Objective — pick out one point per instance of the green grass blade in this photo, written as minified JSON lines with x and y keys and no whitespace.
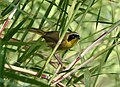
{"x":18,"y":13}
{"x":28,"y":53}
{"x":98,"y":18}
{"x":109,"y":52}
{"x":13,"y":31}
{"x":2,"y":62}
{"x":9,"y":8}
{"x":46,"y":14}
{"x":25,"y":79}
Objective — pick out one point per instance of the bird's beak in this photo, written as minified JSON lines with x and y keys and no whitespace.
{"x":78,"y":37}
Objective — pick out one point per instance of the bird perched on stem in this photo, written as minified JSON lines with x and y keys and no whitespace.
{"x":52,"y":37}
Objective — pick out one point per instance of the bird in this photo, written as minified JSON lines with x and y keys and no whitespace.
{"x":52,"y":37}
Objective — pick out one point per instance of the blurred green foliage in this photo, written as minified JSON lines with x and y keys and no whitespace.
{"x":30,"y":51}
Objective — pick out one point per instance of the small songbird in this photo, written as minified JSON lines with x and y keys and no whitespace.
{"x":52,"y":37}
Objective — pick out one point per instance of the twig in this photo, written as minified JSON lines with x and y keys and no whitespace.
{"x":18,"y":69}
{"x":83,"y":64}
{"x":24,"y":71}
{"x":62,"y":76}
{"x":58,"y":69}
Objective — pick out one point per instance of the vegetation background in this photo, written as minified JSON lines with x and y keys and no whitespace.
{"x":90,"y":18}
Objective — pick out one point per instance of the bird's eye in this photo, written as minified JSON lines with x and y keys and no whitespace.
{"x":73,"y":36}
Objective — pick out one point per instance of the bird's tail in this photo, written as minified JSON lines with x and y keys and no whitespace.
{"x":38,"y":31}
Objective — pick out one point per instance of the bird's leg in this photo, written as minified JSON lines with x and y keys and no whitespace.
{"x":57,"y":56}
